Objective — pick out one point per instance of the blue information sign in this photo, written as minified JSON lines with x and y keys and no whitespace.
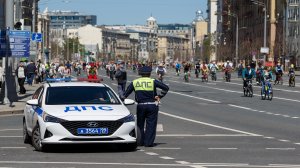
{"x":19,"y":43}
{"x":37,"y":37}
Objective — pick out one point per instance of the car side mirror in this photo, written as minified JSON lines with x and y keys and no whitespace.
{"x":33,"y":102}
{"x":129,"y":102}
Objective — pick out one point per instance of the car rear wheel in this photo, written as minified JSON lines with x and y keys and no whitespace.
{"x":36,"y":139}
{"x":26,"y":137}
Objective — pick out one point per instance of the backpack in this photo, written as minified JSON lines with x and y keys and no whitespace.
{"x":112,"y":68}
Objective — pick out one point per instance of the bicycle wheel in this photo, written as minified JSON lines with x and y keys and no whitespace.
{"x":261,"y":95}
{"x":250,"y":91}
{"x":293,"y":82}
{"x":270,"y":94}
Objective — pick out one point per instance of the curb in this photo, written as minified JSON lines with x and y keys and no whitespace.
{"x":11,"y":112}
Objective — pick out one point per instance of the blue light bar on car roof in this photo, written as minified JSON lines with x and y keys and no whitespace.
{"x":59,"y":80}
{"x":74,"y":80}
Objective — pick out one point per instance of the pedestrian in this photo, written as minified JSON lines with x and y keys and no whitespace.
{"x":147,"y":108}
{"x":121,"y":76}
{"x":21,"y":75}
{"x":31,"y":70}
{"x":112,"y":70}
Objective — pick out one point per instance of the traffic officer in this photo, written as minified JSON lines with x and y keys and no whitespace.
{"x":147,"y":108}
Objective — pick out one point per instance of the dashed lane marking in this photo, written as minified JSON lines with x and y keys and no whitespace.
{"x":159,"y":128}
{"x":269,"y":137}
{"x":280,"y":148}
{"x":11,"y":136}
{"x":222,"y":148}
{"x":207,"y":124}
{"x":283,"y":140}
{"x":297,"y":143}
{"x":166,"y":158}
{"x":182,"y":162}
{"x":151,"y":153}
{"x":12,"y":147}
{"x":205,"y":135}
{"x":3,"y":130}
{"x":195,"y":97}
{"x":166,"y":148}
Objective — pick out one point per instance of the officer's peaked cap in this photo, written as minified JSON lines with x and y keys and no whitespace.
{"x":145,"y":70}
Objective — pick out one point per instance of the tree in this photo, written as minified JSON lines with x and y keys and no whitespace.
{"x":71,"y":46}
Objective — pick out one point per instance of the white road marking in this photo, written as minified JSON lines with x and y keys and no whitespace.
{"x":159,"y":128}
{"x":12,"y":147}
{"x":167,"y":148}
{"x":297,"y":143}
{"x":195,"y":97}
{"x":114,"y":84}
{"x":222,"y":148}
{"x":205,"y":135}
{"x":182,"y":162}
{"x":11,"y":136}
{"x":295,"y":117}
{"x":280,"y":98}
{"x":269,"y":137}
{"x":2,"y":130}
{"x":283,"y":140}
{"x":166,"y":157}
{"x":207,"y":124}
{"x":247,"y":108}
{"x":151,"y":153}
{"x":280,"y":148}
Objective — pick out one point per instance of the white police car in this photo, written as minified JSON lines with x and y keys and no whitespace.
{"x":75,"y":113}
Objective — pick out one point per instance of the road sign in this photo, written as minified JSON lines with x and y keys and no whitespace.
{"x":19,"y":43}
{"x":37,"y":37}
{"x":264,"y":50}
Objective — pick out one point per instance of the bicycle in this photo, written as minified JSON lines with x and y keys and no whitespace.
{"x":213,"y":76}
{"x":292,"y":81}
{"x":197,"y":71}
{"x":279,"y":79}
{"x":227,"y":76}
{"x":160,"y":77}
{"x":204,"y":77}
{"x":186,"y":77}
{"x":248,"y":90}
{"x":266,"y":90}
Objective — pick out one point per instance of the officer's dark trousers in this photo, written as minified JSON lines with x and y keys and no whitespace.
{"x":147,"y":113}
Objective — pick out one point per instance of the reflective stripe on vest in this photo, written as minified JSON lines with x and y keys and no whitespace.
{"x":143,"y":84}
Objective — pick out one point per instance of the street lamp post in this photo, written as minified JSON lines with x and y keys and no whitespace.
{"x":265,"y":22}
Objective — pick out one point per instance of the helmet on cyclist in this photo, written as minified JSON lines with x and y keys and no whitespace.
{"x":292,"y":65}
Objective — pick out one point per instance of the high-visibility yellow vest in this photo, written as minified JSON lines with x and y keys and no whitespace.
{"x":143,"y":84}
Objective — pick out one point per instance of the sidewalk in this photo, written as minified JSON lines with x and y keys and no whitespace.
{"x":18,"y":107}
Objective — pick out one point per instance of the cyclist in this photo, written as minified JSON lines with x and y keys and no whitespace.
{"x":259,"y":73}
{"x":92,"y":72}
{"x":186,"y":71}
{"x":197,"y":69}
{"x":228,"y":69}
{"x":160,"y":71}
{"x":278,"y":72}
{"x":291,"y":72}
{"x":248,"y":74}
{"x":204,"y":70}
{"x":177,"y":67}
{"x":213,"y":69}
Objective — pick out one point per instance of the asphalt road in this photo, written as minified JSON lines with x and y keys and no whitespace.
{"x":201,"y":125}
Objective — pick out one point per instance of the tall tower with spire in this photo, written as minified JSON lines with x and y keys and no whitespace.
{"x":151,"y":22}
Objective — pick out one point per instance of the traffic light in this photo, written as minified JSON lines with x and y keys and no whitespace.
{"x":18,"y":26}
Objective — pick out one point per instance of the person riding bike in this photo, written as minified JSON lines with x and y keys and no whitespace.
{"x":204,"y":70}
{"x":228,"y":69}
{"x":291,"y":72}
{"x":213,"y":69}
{"x":177,"y":67}
{"x":248,"y":74}
{"x":197,"y":69}
{"x":92,"y":72}
{"x":259,"y":74}
{"x":160,"y":71}
{"x":278,"y":72}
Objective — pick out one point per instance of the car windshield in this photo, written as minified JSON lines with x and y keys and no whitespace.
{"x":80,"y":95}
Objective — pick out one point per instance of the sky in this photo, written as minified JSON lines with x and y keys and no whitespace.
{"x":131,"y":12}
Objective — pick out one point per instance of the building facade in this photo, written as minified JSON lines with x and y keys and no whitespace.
{"x":2,"y":14}
{"x":69,"y":19}
{"x":293,"y":31}
{"x":212,"y":25}
{"x":172,"y":48}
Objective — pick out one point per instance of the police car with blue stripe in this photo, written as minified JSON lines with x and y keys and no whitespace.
{"x":78,"y":112}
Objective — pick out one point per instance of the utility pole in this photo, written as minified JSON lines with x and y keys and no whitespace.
{"x":7,"y":62}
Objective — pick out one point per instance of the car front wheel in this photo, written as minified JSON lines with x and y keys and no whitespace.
{"x":36,"y":139}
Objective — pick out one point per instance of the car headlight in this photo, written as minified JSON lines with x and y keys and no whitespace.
{"x":50,"y":118}
{"x":128,"y":118}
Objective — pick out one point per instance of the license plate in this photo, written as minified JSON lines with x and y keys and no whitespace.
{"x":99,"y":131}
